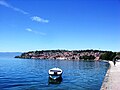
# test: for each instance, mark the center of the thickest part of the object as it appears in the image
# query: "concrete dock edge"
(112, 77)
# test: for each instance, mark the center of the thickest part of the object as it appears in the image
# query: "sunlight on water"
(20, 74)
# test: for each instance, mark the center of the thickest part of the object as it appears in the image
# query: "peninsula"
(70, 55)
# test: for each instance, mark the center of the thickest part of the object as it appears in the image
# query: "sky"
(29, 25)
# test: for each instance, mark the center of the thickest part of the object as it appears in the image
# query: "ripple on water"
(27, 74)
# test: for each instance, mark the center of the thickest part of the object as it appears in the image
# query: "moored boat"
(55, 73)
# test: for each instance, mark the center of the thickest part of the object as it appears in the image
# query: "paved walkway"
(112, 79)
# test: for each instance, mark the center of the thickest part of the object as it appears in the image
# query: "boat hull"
(55, 75)
(55, 81)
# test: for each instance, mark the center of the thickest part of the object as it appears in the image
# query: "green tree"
(108, 55)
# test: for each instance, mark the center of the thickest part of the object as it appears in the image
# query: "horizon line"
(55, 49)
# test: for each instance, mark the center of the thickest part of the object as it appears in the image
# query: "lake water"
(30, 74)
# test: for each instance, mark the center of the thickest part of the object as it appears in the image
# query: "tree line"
(103, 55)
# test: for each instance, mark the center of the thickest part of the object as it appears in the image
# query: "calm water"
(28, 74)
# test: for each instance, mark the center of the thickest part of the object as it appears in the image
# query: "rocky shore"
(68, 55)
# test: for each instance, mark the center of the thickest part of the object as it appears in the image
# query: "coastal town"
(66, 54)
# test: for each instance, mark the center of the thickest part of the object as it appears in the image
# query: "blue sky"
(27, 25)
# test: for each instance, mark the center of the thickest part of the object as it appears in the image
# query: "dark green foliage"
(17, 56)
(87, 57)
(108, 55)
(117, 55)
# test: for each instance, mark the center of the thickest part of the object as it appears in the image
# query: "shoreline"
(105, 81)
(112, 80)
(69, 55)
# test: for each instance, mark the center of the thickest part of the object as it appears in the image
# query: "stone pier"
(112, 78)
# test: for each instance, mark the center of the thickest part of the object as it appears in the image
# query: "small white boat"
(55, 73)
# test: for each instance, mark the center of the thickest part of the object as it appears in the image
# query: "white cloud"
(28, 29)
(36, 32)
(4, 3)
(19, 10)
(39, 19)
(34, 18)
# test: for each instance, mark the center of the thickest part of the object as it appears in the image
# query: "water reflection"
(55, 81)
(27, 74)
